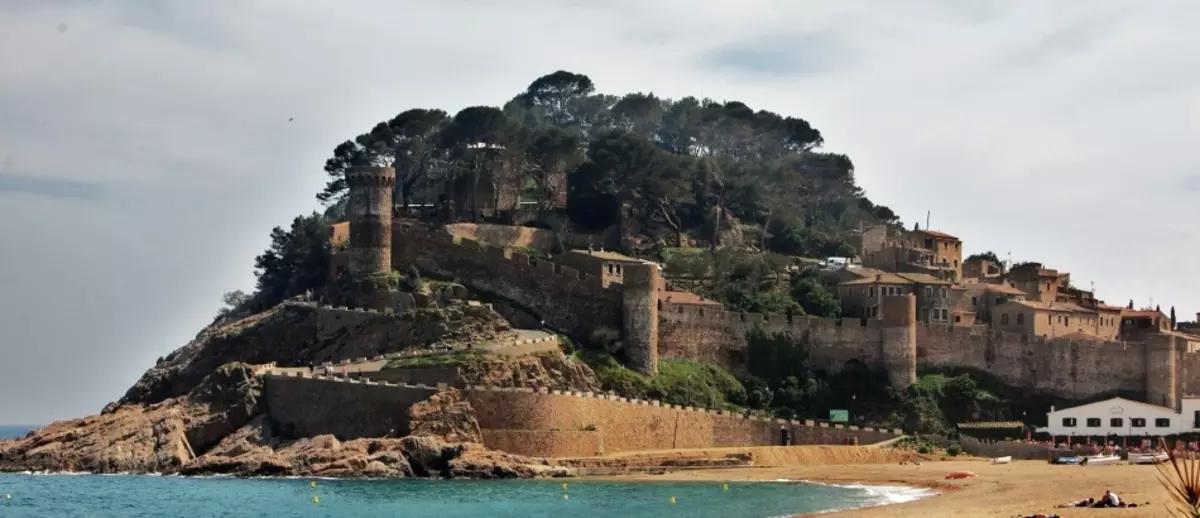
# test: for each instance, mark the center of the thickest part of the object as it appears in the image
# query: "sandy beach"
(1019, 488)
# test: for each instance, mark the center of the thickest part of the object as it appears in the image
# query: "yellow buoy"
(725, 486)
(672, 500)
(564, 486)
(312, 484)
(316, 500)
(564, 496)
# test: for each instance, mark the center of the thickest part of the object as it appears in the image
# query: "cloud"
(1055, 133)
(50, 187)
(779, 56)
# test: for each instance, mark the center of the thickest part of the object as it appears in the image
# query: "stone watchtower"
(370, 212)
(639, 316)
(899, 341)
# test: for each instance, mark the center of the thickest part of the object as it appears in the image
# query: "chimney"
(879, 277)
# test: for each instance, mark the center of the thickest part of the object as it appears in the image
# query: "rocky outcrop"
(445, 415)
(550, 371)
(293, 335)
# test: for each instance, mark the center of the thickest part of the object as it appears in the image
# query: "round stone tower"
(1161, 374)
(370, 212)
(899, 341)
(639, 308)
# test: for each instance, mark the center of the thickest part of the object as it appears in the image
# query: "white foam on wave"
(876, 495)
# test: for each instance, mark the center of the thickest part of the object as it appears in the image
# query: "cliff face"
(554, 372)
(293, 335)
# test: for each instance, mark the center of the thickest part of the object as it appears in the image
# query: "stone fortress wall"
(532, 422)
(1160, 368)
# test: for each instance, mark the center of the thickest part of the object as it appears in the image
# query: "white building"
(1119, 416)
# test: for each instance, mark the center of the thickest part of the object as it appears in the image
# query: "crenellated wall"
(536, 423)
(564, 297)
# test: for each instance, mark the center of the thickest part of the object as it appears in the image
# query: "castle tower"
(1161, 376)
(370, 213)
(899, 342)
(639, 315)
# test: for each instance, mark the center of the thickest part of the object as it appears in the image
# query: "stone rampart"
(565, 298)
(304, 406)
(529, 422)
(425, 375)
(626, 425)
(712, 335)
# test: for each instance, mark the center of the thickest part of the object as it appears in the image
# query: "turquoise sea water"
(41, 495)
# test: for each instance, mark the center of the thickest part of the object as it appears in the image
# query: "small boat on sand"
(1148, 458)
(1002, 460)
(1065, 460)
(1099, 460)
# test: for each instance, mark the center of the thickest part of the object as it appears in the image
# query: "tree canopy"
(659, 168)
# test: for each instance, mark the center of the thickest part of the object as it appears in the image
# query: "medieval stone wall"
(625, 425)
(529, 422)
(300, 406)
(564, 297)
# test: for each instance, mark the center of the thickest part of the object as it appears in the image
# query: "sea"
(30, 495)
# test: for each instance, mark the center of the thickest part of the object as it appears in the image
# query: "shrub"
(954, 450)
(924, 450)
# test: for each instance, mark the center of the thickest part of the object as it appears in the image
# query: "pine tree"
(1172, 318)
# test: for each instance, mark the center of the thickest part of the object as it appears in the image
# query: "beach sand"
(1019, 488)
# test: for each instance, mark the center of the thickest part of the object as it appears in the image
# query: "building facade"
(1124, 418)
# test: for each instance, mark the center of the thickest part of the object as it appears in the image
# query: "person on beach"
(785, 437)
(1088, 502)
(1109, 499)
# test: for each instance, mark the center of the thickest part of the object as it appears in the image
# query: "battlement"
(371, 177)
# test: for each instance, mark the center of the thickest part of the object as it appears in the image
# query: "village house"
(1124, 418)
(1056, 320)
(1135, 323)
(606, 265)
(947, 249)
(980, 298)
(982, 270)
(863, 297)
(919, 251)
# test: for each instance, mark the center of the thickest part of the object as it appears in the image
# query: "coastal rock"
(549, 371)
(445, 415)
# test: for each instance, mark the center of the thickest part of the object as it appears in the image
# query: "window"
(945, 314)
(945, 292)
(957, 319)
(1196, 420)
(974, 301)
(1066, 321)
(1049, 319)
(1068, 422)
(1137, 422)
(956, 263)
(929, 291)
(1162, 422)
(1020, 318)
(1004, 318)
(1116, 422)
(871, 291)
(1093, 422)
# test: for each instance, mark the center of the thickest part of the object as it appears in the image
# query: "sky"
(146, 149)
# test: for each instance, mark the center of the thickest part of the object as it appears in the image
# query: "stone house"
(863, 297)
(981, 297)
(982, 270)
(1135, 323)
(947, 249)
(1038, 282)
(606, 265)
(1056, 319)
(933, 297)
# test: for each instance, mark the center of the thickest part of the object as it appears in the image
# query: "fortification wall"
(1063, 367)
(528, 422)
(564, 297)
(713, 335)
(636, 425)
(301, 406)
(506, 236)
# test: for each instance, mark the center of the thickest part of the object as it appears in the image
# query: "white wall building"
(1119, 416)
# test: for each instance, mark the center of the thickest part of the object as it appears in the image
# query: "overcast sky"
(145, 148)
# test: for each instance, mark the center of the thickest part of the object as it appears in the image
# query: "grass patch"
(678, 382)
(436, 360)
